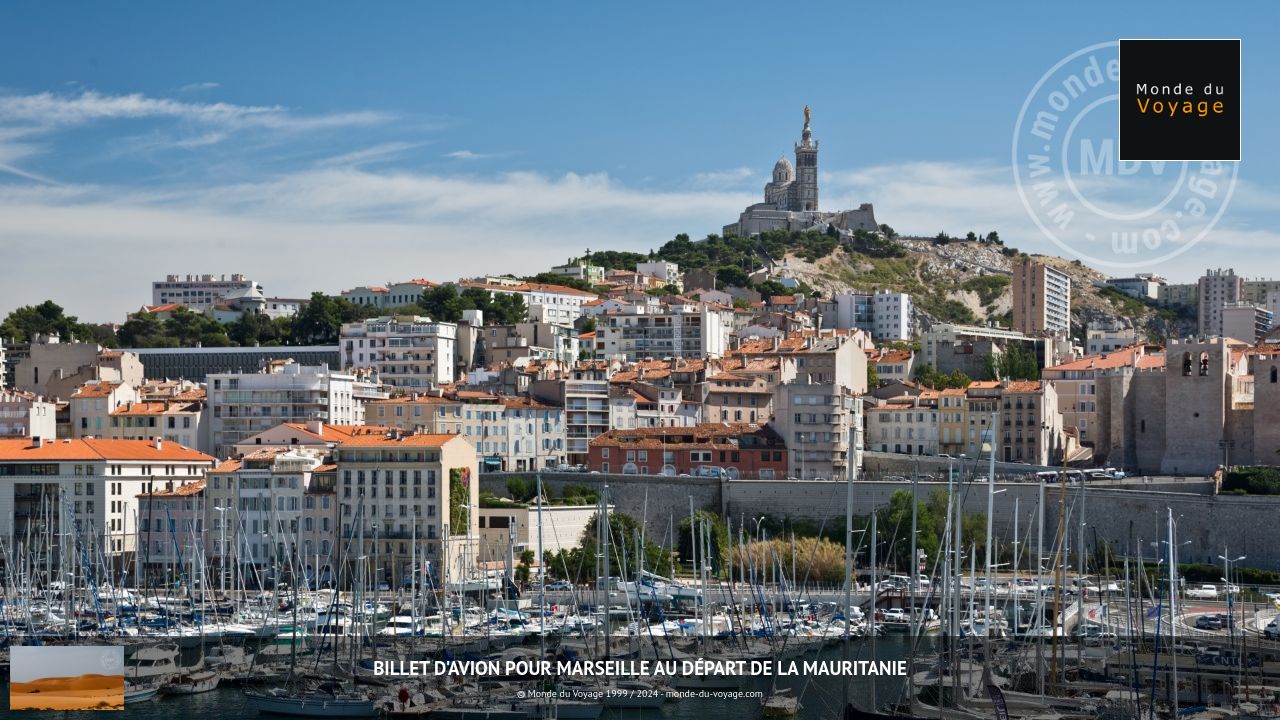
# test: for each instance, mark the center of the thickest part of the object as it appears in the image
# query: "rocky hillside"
(968, 282)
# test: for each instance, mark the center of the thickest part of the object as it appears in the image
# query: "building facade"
(405, 351)
(245, 404)
(1041, 298)
(198, 292)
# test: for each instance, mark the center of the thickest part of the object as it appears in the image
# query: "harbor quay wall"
(1129, 517)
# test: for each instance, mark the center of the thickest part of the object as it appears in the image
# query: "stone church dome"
(782, 171)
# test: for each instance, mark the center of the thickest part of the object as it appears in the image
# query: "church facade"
(791, 198)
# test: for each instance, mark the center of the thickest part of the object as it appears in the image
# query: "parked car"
(1204, 592)
(895, 615)
(559, 585)
(1208, 622)
(1272, 630)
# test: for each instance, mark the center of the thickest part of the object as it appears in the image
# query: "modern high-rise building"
(1041, 298)
(1216, 289)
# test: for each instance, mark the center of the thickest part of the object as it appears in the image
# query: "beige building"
(737, 398)
(393, 486)
(817, 422)
(1041, 298)
(55, 369)
(1083, 402)
(1216, 289)
(506, 532)
(1030, 424)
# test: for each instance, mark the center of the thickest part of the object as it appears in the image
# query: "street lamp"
(1226, 570)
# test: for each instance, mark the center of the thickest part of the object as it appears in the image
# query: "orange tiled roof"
(95, 390)
(1023, 386)
(98, 449)
(166, 307)
(397, 440)
(227, 466)
(153, 408)
(183, 490)
(339, 433)
(1124, 357)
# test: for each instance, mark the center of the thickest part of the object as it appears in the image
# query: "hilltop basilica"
(791, 198)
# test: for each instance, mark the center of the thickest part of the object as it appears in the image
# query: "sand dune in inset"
(84, 692)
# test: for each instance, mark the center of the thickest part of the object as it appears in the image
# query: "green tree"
(873, 377)
(47, 318)
(719, 540)
(141, 330)
(894, 528)
(459, 500)
(189, 328)
(320, 321)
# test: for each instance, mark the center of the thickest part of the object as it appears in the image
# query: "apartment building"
(817, 421)
(1076, 385)
(508, 433)
(737, 398)
(584, 394)
(1030, 427)
(242, 405)
(732, 450)
(1041, 298)
(405, 351)
(391, 295)
(255, 514)
(690, 330)
(92, 485)
(171, 524)
(393, 487)
(24, 414)
(198, 292)
(819, 356)
(1215, 290)
(907, 424)
(55, 369)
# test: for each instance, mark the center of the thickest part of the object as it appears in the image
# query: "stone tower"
(805, 188)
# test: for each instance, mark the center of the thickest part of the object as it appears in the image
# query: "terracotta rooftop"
(396, 440)
(183, 490)
(95, 390)
(340, 433)
(98, 449)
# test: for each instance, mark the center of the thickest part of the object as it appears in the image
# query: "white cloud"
(50, 110)
(733, 179)
(198, 87)
(365, 156)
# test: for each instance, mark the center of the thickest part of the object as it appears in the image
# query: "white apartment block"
(405, 351)
(891, 313)
(391, 295)
(507, 532)
(245, 404)
(508, 433)
(691, 330)
(198, 292)
(89, 484)
(667, 272)
(24, 414)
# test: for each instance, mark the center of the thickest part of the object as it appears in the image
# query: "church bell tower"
(806, 183)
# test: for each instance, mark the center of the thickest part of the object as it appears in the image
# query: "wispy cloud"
(469, 155)
(50, 110)
(200, 87)
(366, 156)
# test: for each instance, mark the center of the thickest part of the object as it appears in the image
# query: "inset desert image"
(66, 678)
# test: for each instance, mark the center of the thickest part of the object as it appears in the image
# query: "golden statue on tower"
(806, 114)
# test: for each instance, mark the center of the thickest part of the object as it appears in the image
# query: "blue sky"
(324, 146)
